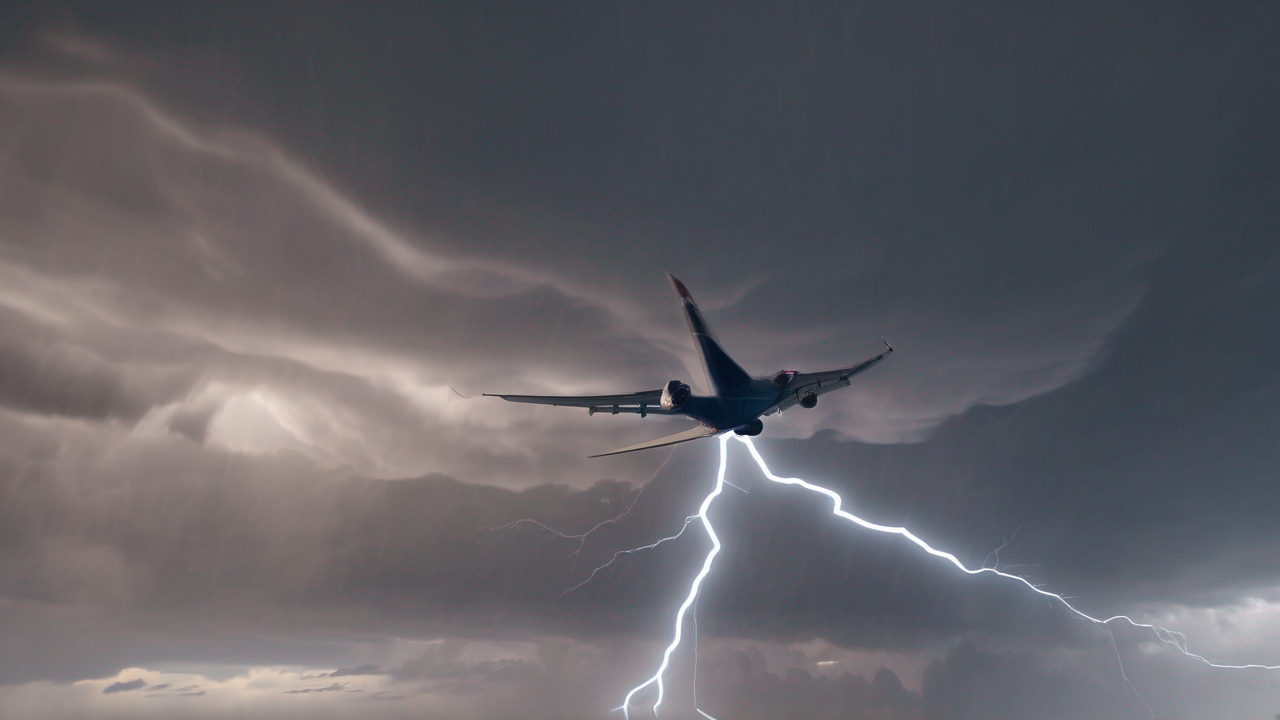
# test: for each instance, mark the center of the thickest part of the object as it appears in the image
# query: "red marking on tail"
(680, 288)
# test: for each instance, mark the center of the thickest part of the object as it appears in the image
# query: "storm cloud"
(258, 264)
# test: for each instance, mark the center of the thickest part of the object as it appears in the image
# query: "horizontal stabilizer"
(693, 433)
(651, 398)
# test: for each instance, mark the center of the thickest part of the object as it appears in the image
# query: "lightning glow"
(1169, 637)
(582, 537)
(631, 551)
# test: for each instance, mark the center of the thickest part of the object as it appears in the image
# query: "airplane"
(738, 400)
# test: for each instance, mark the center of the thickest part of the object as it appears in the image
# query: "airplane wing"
(643, 403)
(817, 383)
(694, 433)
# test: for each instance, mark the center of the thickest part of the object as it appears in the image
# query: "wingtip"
(887, 347)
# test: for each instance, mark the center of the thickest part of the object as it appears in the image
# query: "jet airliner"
(738, 400)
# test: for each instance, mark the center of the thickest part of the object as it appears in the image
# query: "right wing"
(644, 403)
(817, 383)
(693, 433)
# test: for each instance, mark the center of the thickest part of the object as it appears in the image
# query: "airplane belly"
(726, 413)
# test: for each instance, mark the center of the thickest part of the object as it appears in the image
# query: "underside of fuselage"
(726, 412)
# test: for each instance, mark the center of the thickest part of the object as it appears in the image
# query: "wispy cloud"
(125, 686)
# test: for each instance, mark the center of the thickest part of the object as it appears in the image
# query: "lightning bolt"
(631, 551)
(1169, 637)
(693, 590)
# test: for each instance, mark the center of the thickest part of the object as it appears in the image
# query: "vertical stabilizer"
(725, 375)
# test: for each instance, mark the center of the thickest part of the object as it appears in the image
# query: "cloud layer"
(247, 259)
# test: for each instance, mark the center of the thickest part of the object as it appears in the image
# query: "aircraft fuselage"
(736, 408)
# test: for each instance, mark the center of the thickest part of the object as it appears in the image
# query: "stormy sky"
(258, 261)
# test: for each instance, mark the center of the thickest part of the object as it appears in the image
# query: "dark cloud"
(193, 424)
(336, 687)
(78, 48)
(418, 549)
(236, 286)
(455, 677)
(976, 683)
(1163, 482)
(41, 372)
(124, 686)
(182, 327)
(357, 670)
(742, 685)
(384, 695)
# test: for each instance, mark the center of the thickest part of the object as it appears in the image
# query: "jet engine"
(675, 395)
(755, 427)
(809, 400)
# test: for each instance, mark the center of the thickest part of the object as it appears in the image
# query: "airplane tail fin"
(693, 433)
(723, 373)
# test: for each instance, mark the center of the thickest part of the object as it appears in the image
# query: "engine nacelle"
(755, 427)
(675, 395)
(809, 400)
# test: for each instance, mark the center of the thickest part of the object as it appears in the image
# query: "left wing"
(817, 383)
(643, 403)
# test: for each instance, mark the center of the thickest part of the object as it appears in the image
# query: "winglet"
(887, 347)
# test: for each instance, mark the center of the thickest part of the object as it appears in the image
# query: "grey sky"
(247, 254)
